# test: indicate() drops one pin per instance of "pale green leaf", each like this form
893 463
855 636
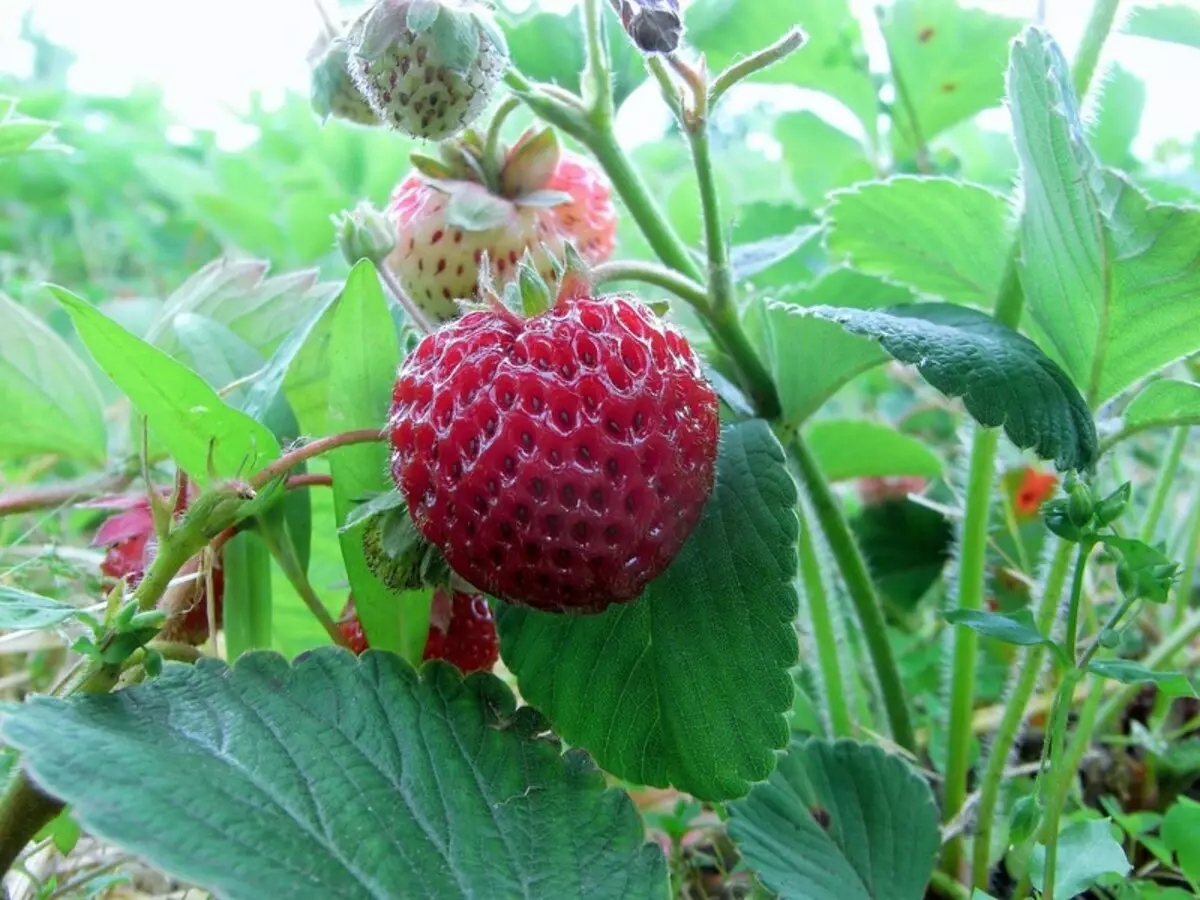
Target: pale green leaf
1181 833
1119 117
50 402
950 58
1110 277
1016 628
820 156
1087 852
940 237
21 609
851 448
1127 671
337 777
1002 376
657 689
1164 403
1178 23
839 821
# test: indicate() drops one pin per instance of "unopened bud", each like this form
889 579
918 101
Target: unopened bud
655 26
1111 507
364 233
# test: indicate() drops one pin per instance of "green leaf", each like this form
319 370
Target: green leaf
820 156
1011 628
906 545
1110 277
1164 403
1143 572
64 831
364 355
1181 833
247 603
657 689
356 778
748 260
1119 117
839 821
21 609
47 390
1002 376
19 134
812 359
1087 851
950 59
1126 671
938 236
833 61
457 38
855 448
186 414
1177 23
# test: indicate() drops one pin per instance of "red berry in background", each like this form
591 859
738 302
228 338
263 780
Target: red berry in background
590 219
351 628
1034 489
558 461
462 631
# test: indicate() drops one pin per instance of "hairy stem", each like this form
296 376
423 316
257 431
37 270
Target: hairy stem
862 593
1027 669
824 634
668 279
755 62
393 286
295 482
596 78
285 555
33 499
1164 484
311 449
1191 551
1100 23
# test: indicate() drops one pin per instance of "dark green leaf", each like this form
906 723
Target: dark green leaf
21 609
247 603
950 58
1087 851
1011 628
351 775
1109 276
364 356
47 391
812 359
657 689
940 237
186 414
854 448
839 821
1126 671
1002 376
1178 23
906 545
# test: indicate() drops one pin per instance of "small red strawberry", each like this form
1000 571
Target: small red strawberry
1035 488
590 219
462 632
532 198
426 67
561 460
352 629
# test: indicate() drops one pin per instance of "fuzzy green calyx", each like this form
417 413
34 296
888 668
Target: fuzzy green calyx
364 233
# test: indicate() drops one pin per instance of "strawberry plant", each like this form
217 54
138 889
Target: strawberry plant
508 502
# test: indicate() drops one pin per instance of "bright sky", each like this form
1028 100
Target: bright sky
208 56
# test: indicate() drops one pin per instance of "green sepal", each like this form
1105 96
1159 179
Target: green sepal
473 208
1143 572
1054 514
421 15
531 163
488 27
544 199
456 36
151 618
1080 506
399 555
535 293
433 168
152 662
1114 505
376 30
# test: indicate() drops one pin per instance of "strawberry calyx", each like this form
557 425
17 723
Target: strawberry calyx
529 295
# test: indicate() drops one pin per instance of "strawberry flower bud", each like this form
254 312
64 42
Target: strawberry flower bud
364 233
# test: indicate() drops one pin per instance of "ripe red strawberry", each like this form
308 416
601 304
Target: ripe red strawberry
590 219
426 68
462 632
131 547
532 197
1034 489
352 629
558 461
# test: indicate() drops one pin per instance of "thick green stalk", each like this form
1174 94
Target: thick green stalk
681 286
1057 776
824 634
862 593
1028 669
1191 551
1071 636
1100 23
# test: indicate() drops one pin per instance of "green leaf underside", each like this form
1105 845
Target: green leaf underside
656 689
1087 852
364 355
1169 401
950 59
1110 277
1126 671
185 413
940 237
21 609
854 448
880 836
336 777
1011 628
1003 378
47 389
820 156
1178 23
748 260
812 359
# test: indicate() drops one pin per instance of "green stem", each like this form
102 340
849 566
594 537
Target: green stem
1164 483
862 593
1071 636
1191 551
1148 425
1057 775
1028 669
596 77
492 161
824 634
755 62
1100 22
648 273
